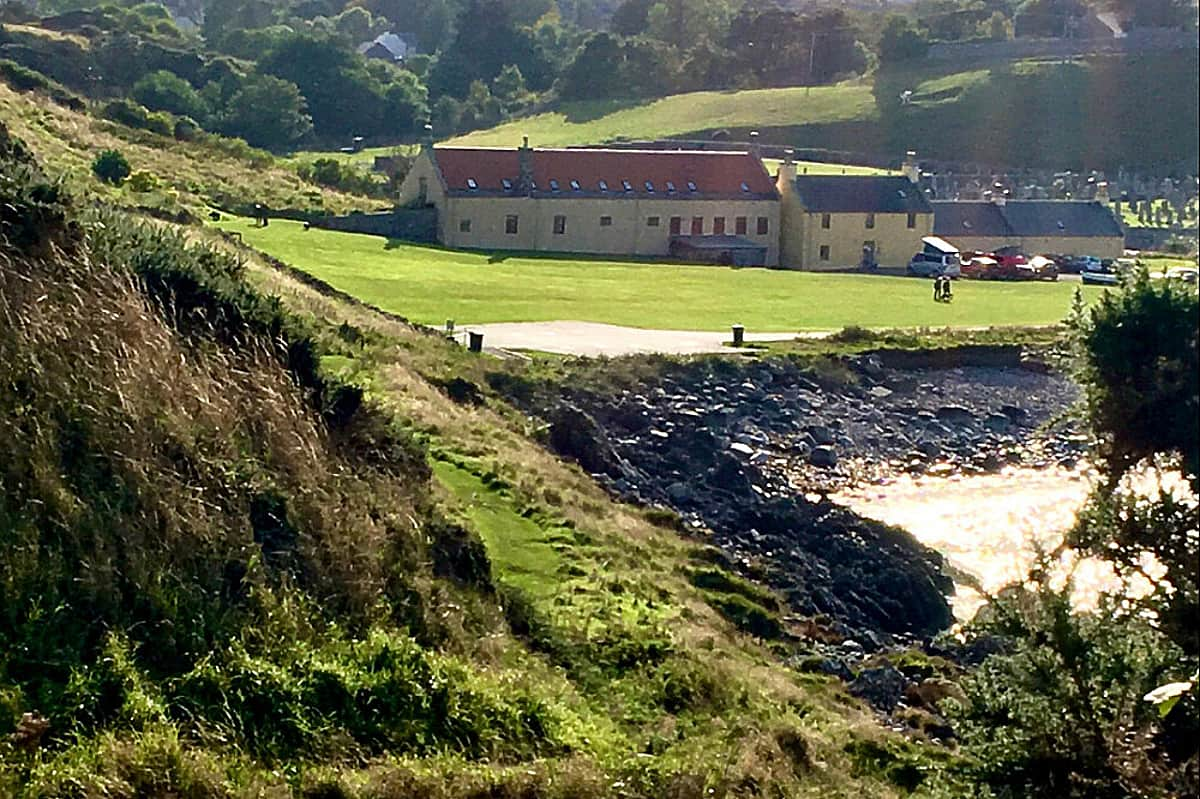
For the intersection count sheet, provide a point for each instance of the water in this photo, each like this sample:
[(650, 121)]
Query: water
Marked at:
[(991, 527)]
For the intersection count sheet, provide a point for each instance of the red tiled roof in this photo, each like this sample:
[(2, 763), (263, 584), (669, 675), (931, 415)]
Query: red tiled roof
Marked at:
[(713, 173)]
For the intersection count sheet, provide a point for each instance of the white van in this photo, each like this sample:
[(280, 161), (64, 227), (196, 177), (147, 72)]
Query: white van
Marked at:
[(938, 257)]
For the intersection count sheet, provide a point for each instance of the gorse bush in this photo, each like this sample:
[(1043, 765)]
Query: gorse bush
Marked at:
[(111, 167)]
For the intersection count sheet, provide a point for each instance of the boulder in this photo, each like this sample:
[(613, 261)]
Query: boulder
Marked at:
[(955, 415), (882, 688), (824, 457)]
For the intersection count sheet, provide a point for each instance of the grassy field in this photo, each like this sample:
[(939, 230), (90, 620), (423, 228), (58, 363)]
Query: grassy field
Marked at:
[(600, 121), (430, 285)]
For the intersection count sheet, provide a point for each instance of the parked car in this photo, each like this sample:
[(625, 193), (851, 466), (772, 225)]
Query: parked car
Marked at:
[(925, 264), (979, 267), (1043, 268)]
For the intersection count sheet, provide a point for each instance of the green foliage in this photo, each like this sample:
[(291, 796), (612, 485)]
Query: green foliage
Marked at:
[(111, 167), (33, 210), (1061, 713), (901, 41), (28, 80), (339, 175), (166, 91), (264, 110), (133, 115), (1140, 366)]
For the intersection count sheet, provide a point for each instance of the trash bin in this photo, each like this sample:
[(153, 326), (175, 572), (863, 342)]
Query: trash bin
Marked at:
[(475, 341), (739, 335)]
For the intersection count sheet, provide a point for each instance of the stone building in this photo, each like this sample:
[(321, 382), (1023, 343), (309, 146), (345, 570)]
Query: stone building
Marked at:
[(1036, 227), (832, 222), (713, 206)]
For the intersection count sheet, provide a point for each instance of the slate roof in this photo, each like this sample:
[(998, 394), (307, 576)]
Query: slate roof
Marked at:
[(880, 194), (1024, 218), (662, 174)]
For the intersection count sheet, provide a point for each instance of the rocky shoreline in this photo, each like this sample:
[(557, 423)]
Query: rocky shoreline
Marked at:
[(747, 454)]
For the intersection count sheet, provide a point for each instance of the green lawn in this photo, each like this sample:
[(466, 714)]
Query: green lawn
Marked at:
[(430, 285)]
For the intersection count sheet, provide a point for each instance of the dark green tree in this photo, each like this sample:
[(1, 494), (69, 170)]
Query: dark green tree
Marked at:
[(265, 111), (111, 167), (166, 91)]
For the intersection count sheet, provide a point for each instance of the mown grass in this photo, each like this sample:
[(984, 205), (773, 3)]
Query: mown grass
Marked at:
[(430, 285)]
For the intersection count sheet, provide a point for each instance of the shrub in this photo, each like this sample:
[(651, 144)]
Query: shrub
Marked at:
[(130, 114), (111, 167), (142, 181)]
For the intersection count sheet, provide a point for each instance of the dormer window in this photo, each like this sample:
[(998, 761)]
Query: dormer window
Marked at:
[(575, 186), (691, 185), (507, 184), (903, 196), (553, 185), (472, 185), (670, 187), (604, 185), (1061, 226), (649, 187), (966, 224), (626, 185), (745, 188)]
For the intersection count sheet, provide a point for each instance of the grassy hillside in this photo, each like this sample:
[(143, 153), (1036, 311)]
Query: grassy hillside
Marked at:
[(1099, 112), (430, 285), (249, 546), (190, 175)]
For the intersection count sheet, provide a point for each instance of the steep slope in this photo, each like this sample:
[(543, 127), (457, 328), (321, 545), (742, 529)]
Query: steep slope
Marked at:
[(224, 570)]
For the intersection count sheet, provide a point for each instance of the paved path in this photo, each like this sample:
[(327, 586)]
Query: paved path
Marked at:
[(593, 338)]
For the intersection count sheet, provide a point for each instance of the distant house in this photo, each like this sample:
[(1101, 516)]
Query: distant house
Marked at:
[(838, 221), (388, 47), (705, 206), (1066, 227)]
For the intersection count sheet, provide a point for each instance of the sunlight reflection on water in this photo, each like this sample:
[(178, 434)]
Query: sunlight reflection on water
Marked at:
[(992, 527)]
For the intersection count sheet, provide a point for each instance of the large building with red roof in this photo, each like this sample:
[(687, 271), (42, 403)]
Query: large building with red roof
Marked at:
[(694, 205)]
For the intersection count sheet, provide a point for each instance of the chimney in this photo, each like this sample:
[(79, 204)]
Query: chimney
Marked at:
[(786, 178), (910, 167), (754, 148), (1000, 198), (427, 137), (525, 164), (1102, 192)]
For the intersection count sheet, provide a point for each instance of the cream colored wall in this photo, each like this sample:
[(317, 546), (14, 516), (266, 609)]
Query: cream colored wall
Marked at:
[(627, 235), (435, 192), (791, 219), (895, 242), (1099, 246)]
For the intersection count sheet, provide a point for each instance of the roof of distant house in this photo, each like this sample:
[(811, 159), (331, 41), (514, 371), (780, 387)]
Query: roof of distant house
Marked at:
[(1025, 218), (394, 43), (670, 174), (879, 194)]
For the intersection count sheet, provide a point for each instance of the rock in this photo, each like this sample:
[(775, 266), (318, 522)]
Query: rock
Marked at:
[(824, 457), (997, 422), (679, 492), (835, 668), (880, 392), (576, 435), (929, 692), (820, 434), (1017, 414), (881, 687), (929, 449), (741, 449), (955, 414)]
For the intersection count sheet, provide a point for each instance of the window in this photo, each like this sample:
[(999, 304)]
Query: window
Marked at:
[(471, 184), (697, 226), (464, 226), (510, 224), (604, 185), (560, 225), (739, 225), (676, 225), (826, 221), (670, 187), (719, 226), (745, 188), (870, 221), (553, 185), (575, 186), (764, 226), (626, 185), (912, 221), (824, 252), (606, 221), (649, 187), (507, 184), (691, 186), (652, 221)]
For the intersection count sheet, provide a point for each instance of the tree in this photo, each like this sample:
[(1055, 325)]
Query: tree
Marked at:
[(631, 17), (509, 86), (166, 91), (486, 41), (1154, 13), (111, 167), (356, 24), (265, 111), (901, 41)]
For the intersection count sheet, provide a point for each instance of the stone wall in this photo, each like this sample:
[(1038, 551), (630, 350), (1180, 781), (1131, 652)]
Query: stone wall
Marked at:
[(409, 224)]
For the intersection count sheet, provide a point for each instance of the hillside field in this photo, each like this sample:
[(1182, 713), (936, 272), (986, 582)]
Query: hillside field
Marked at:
[(1021, 114), (429, 285)]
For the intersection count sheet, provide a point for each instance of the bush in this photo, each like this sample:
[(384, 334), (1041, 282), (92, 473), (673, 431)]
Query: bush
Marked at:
[(111, 167), (130, 114)]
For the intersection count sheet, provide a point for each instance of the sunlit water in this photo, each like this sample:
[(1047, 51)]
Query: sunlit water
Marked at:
[(992, 527)]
